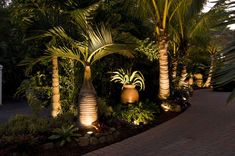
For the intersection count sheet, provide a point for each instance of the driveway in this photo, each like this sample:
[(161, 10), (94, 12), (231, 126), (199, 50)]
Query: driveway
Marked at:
[(207, 128)]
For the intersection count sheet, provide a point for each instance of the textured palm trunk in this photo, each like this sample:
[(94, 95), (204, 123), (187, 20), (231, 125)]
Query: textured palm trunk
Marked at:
[(190, 81), (208, 81), (56, 106), (183, 76), (174, 69), (164, 86), (87, 100)]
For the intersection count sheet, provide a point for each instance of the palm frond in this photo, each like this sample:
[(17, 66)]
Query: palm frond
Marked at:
[(65, 52), (121, 49), (83, 16), (226, 72), (59, 33), (31, 62), (99, 38), (144, 8)]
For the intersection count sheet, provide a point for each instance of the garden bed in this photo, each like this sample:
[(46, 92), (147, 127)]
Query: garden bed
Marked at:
[(86, 142)]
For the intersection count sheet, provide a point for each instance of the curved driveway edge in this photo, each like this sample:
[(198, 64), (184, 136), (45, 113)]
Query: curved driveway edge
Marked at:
[(207, 128)]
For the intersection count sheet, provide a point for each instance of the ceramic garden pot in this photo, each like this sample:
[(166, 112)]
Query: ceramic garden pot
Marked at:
[(129, 94)]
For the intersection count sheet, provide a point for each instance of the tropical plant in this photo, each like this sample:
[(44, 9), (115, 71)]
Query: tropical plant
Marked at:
[(192, 28), (149, 48), (37, 91), (96, 45), (213, 49), (64, 119), (136, 114), (104, 111), (23, 125), (41, 15), (65, 134), (162, 14), (159, 13), (225, 73), (127, 77)]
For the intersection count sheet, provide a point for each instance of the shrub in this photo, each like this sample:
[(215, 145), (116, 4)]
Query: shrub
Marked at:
[(138, 113), (37, 92), (64, 119), (104, 110), (65, 134), (23, 125)]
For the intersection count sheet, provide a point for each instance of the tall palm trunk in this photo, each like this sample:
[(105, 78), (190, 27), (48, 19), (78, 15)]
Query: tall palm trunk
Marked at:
[(164, 86), (208, 81), (174, 68), (56, 106), (87, 100), (183, 76)]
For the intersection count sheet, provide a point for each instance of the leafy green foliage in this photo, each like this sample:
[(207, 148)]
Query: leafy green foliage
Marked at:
[(23, 125), (138, 113), (225, 72), (65, 119), (128, 78), (65, 134), (104, 110), (37, 92), (149, 48), (69, 83)]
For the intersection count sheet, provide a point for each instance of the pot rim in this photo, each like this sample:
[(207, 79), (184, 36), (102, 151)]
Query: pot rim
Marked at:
[(128, 86)]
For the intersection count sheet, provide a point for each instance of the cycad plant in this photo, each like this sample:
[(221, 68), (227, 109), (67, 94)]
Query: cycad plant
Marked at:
[(96, 45)]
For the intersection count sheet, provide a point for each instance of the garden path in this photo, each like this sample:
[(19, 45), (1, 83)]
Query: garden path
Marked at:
[(207, 128)]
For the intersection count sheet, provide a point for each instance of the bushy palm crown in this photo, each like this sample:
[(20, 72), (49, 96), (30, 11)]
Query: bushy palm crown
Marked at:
[(191, 27), (97, 45), (93, 43)]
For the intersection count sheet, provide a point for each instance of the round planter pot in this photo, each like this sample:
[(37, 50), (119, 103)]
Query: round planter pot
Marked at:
[(129, 94)]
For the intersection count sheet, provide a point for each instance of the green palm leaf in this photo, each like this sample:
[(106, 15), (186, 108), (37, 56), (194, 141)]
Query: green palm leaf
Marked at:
[(65, 52), (83, 16), (121, 49)]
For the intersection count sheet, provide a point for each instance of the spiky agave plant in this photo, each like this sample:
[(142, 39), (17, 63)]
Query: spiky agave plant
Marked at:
[(127, 77)]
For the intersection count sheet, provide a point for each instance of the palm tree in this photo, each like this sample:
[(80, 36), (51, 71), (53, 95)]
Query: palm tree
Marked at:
[(184, 24), (56, 106), (96, 45), (170, 17), (160, 13), (190, 26), (38, 17), (213, 49), (225, 73)]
